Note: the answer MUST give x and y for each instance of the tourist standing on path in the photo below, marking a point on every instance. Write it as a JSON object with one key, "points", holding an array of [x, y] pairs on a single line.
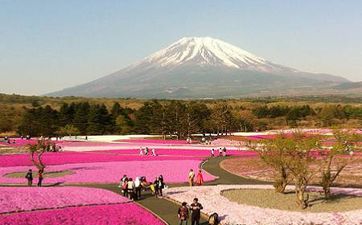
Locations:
{"points": [[124, 185], [199, 178], [183, 214], [220, 151], [156, 186], [29, 177], [224, 151], [130, 189], [191, 177], [196, 212], [40, 177], [212, 152], [138, 187], [161, 185]]}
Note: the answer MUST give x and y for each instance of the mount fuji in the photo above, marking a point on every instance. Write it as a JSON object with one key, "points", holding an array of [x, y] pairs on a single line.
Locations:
{"points": [[203, 67]]}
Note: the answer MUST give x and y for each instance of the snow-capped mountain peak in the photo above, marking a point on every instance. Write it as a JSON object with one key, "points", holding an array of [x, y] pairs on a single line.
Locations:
{"points": [[208, 51]]}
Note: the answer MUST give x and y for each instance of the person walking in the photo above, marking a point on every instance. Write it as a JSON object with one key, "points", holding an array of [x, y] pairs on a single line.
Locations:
{"points": [[29, 177], [196, 208], [199, 178], [154, 152], [212, 152], [40, 177], [183, 214], [191, 177]]}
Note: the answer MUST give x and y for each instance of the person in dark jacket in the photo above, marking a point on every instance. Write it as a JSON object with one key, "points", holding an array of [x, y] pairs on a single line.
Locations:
{"points": [[161, 185], [156, 185], [183, 214], [40, 177], [29, 177], [196, 208]]}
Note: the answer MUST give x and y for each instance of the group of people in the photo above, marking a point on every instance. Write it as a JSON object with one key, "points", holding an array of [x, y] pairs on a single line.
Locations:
{"points": [[146, 151], [29, 177], [221, 152], [199, 178], [185, 210], [8, 141], [133, 188]]}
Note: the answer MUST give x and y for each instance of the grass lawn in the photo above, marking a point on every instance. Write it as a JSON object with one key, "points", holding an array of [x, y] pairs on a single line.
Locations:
{"points": [[271, 199], [212, 165], [51, 174]]}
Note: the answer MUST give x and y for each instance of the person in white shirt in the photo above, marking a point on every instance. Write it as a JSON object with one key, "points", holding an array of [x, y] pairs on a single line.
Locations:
{"points": [[141, 151], [191, 177], [154, 152], [138, 187]]}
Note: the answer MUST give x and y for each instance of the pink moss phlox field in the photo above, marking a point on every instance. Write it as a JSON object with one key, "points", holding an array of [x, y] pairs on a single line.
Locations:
{"points": [[59, 158], [173, 171], [15, 199], [155, 141], [120, 214]]}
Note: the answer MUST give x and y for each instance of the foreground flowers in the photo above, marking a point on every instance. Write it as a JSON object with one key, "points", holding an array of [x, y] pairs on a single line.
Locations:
{"points": [[17, 199], [69, 206], [120, 214], [234, 213]]}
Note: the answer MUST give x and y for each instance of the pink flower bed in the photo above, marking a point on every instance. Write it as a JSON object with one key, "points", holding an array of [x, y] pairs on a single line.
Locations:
{"points": [[15, 199], [120, 214], [174, 171], [154, 141], [58, 158]]}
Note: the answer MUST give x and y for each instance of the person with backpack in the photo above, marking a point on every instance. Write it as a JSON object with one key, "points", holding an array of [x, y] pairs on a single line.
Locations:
{"points": [[196, 208], [183, 214], [29, 177]]}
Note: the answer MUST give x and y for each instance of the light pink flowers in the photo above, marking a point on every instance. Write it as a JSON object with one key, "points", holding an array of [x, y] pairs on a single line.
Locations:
{"points": [[16, 199]]}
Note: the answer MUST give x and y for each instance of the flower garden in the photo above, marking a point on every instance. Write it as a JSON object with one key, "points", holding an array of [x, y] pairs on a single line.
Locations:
{"points": [[69, 205], [76, 179]]}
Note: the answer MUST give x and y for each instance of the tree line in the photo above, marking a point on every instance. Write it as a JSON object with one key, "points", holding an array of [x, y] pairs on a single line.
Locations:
{"points": [[180, 118], [173, 118]]}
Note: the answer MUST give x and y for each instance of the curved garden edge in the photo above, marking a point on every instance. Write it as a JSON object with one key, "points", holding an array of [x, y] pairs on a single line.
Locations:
{"points": [[234, 213], [151, 212]]}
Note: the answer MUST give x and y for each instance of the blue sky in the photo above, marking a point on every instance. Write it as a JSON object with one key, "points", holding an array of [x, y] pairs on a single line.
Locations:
{"points": [[48, 45]]}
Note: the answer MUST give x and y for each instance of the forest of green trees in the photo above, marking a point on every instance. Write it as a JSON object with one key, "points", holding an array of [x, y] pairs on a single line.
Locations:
{"points": [[22, 115]]}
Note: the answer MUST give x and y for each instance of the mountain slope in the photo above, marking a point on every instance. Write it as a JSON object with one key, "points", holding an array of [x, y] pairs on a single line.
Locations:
{"points": [[202, 68]]}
